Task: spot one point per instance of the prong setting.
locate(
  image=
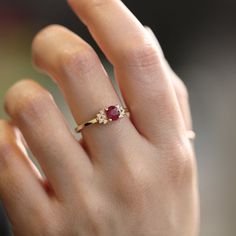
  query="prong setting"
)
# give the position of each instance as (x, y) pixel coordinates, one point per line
(105, 116)
(110, 114)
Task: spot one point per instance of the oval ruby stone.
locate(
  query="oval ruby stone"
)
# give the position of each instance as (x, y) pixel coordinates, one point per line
(113, 113)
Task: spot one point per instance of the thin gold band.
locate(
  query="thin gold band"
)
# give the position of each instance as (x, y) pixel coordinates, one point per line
(102, 117)
(85, 124)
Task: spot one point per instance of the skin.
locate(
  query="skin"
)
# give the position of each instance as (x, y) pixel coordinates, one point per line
(134, 176)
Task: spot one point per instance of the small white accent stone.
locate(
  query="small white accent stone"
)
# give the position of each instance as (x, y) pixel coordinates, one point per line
(101, 117)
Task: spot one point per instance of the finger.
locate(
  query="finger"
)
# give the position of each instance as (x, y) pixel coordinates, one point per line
(183, 99)
(144, 82)
(85, 84)
(21, 187)
(62, 159)
(179, 86)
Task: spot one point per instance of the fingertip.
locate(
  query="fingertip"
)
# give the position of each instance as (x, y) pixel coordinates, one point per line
(38, 43)
(23, 96)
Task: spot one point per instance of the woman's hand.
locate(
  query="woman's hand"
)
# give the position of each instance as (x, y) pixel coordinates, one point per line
(131, 177)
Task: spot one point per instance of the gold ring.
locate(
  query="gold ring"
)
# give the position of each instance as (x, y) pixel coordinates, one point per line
(191, 134)
(105, 116)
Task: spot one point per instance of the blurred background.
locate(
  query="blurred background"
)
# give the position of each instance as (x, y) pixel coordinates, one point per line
(199, 40)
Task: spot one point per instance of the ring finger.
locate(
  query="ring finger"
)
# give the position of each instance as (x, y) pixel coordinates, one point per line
(79, 73)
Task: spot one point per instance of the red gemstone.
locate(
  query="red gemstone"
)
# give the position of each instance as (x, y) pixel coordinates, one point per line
(113, 113)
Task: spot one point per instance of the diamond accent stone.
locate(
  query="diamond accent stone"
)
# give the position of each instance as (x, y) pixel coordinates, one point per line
(122, 111)
(102, 118)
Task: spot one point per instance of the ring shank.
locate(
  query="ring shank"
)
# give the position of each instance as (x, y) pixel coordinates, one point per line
(85, 124)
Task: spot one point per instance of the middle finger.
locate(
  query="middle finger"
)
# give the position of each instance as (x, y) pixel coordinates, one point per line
(144, 81)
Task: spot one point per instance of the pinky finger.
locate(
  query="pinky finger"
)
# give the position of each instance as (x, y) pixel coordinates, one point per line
(21, 189)
(182, 96)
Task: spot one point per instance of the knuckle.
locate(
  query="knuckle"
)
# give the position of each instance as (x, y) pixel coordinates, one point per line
(45, 33)
(141, 55)
(39, 40)
(180, 164)
(81, 61)
(32, 104)
(26, 97)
